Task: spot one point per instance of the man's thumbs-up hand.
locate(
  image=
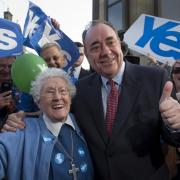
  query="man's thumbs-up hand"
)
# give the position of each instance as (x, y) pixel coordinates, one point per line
(169, 107)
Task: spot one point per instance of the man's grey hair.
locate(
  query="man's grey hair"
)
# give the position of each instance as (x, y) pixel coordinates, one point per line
(49, 45)
(94, 23)
(36, 85)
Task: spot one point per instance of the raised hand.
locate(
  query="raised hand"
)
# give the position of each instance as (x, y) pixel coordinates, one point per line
(14, 121)
(169, 107)
(55, 23)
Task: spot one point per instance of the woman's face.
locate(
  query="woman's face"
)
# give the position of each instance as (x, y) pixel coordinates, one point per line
(55, 99)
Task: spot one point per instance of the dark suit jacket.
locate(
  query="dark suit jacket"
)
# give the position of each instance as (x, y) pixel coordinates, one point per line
(134, 150)
(83, 73)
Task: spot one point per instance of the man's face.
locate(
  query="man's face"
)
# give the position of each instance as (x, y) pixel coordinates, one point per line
(53, 57)
(55, 99)
(5, 68)
(81, 57)
(103, 50)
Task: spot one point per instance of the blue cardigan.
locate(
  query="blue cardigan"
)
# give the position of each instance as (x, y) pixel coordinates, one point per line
(20, 151)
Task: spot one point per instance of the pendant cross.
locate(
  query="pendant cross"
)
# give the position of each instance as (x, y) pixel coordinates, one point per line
(74, 171)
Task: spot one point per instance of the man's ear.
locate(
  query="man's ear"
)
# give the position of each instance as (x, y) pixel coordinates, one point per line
(85, 53)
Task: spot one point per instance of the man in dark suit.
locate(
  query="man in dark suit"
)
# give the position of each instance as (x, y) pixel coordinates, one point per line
(145, 112)
(77, 71)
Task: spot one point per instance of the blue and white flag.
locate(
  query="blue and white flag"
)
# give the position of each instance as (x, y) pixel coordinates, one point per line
(34, 19)
(38, 31)
(158, 36)
(11, 39)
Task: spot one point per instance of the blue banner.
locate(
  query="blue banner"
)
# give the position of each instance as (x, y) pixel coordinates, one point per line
(11, 39)
(38, 31)
(35, 18)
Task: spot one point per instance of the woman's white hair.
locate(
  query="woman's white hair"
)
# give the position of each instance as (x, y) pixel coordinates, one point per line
(36, 85)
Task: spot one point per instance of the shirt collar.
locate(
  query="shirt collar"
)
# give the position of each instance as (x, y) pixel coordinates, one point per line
(55, 127)
(77, 71)
(118, 78)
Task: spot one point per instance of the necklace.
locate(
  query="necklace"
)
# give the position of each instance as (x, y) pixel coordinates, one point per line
(73, 171)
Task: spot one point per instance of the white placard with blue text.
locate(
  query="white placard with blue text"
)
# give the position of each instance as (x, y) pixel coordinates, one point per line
(158, 36)
(11, 39)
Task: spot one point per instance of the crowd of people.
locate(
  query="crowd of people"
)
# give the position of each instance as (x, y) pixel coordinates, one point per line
(110, 125)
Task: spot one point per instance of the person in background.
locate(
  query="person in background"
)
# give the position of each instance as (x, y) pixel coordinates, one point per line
(169, 151)
(123, 109)
(7, 104)
(53, 55)
(175, 77)
(77, 71)
(51, 146)
(153, 61)
(125, 50)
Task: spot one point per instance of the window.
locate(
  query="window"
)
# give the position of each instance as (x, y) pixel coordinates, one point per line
(115, 15)
(112, 1)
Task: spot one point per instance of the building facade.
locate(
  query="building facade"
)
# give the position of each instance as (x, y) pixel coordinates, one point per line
(122, 13)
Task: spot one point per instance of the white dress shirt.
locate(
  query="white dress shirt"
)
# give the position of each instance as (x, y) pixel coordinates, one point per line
(55, 127)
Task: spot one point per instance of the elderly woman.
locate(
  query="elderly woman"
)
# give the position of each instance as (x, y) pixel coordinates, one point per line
(51, 147)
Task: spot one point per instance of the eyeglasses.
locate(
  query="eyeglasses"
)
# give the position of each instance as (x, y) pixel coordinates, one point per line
(52, 92)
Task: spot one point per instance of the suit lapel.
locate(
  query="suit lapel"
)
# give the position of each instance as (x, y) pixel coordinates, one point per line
(97, 108)
(130, 88)
(83, 73)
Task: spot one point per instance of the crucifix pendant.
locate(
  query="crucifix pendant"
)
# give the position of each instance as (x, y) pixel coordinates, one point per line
(74, 171)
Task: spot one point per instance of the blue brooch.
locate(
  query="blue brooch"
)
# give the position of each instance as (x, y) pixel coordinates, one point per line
(59, 158)
(81, 152)
(83, 167)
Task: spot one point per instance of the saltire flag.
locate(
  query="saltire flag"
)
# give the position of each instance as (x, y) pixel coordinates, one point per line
(38, 31)
(11, 39)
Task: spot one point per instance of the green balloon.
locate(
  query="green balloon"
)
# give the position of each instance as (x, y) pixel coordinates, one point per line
(25, 69)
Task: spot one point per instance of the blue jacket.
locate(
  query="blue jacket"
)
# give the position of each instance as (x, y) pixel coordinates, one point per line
(26, 154)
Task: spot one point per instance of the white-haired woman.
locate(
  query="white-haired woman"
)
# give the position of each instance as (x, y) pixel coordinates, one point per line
(52, 146)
